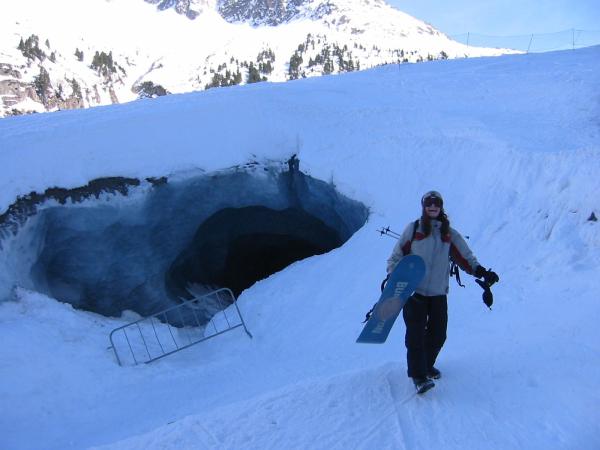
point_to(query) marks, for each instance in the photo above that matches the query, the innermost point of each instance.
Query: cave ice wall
(139, 252)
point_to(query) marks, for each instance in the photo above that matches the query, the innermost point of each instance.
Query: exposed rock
(8, 70)
(14, 92)
(113, 95)
(189, 8)
(26, 206)
(257, 12)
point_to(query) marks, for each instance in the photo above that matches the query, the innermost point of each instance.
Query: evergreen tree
(294, 66)
(103, 63)
(215, 82)
(31, 48)
(76, 89)
(150, 90)
(42, 84)
(254, 75)
(265, 61)
(237, 78)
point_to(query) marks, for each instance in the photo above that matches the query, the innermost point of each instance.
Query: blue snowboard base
(400, 286)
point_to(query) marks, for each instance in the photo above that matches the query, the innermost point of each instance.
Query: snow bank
(511, 142)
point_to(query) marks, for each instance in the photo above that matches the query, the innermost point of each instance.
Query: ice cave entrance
(148, 248)
(236, 247)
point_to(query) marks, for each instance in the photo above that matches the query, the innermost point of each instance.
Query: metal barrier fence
(533, 43)
(155, 337)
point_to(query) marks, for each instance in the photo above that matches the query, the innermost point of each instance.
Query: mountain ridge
(92, 58)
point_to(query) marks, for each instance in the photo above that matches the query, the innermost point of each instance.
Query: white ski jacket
(435, 250)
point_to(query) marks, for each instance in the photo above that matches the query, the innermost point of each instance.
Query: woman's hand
(489, 276)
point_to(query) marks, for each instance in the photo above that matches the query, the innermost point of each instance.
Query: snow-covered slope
(59, 55)
(513, 144)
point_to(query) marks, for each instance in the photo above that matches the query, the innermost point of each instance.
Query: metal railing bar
(194, 343)
(196, 318)
(242, 320)
(144, 341)
(112, 344)
(170, 332)
(130, 348)
(156, 334)
(212, 320)
(191, 338)
(222, 308)
(162, 313)
(187, 332)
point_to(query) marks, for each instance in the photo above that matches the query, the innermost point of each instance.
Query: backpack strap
(407, 246)
(455, 272)
(415, 228)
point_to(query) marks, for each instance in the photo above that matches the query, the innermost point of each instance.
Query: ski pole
(390, 233)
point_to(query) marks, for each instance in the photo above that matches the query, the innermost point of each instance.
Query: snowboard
(401, 284)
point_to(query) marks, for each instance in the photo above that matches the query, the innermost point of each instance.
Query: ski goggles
(433, 201)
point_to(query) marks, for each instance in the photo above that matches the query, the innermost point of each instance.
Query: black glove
(489, 276)
(488, 297)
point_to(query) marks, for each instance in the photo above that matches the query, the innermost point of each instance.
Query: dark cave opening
(237, 247)
(254, 257)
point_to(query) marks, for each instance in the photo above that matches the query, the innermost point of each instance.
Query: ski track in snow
(356, 410)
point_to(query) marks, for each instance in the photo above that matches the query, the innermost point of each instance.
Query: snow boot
(434, 374)
(423, 384)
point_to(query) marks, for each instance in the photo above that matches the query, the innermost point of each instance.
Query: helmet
(432, 194)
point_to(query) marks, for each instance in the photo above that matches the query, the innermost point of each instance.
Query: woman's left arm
(462, 255)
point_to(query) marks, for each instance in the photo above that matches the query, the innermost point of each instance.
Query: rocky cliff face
(260, 12)
(189, 8)
(255, 12)
(20, 97)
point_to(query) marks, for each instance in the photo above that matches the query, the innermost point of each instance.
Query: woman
(426, 312)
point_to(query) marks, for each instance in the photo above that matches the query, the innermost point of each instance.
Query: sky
(504, 17)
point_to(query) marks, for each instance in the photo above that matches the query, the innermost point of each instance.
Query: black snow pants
(426, 320)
